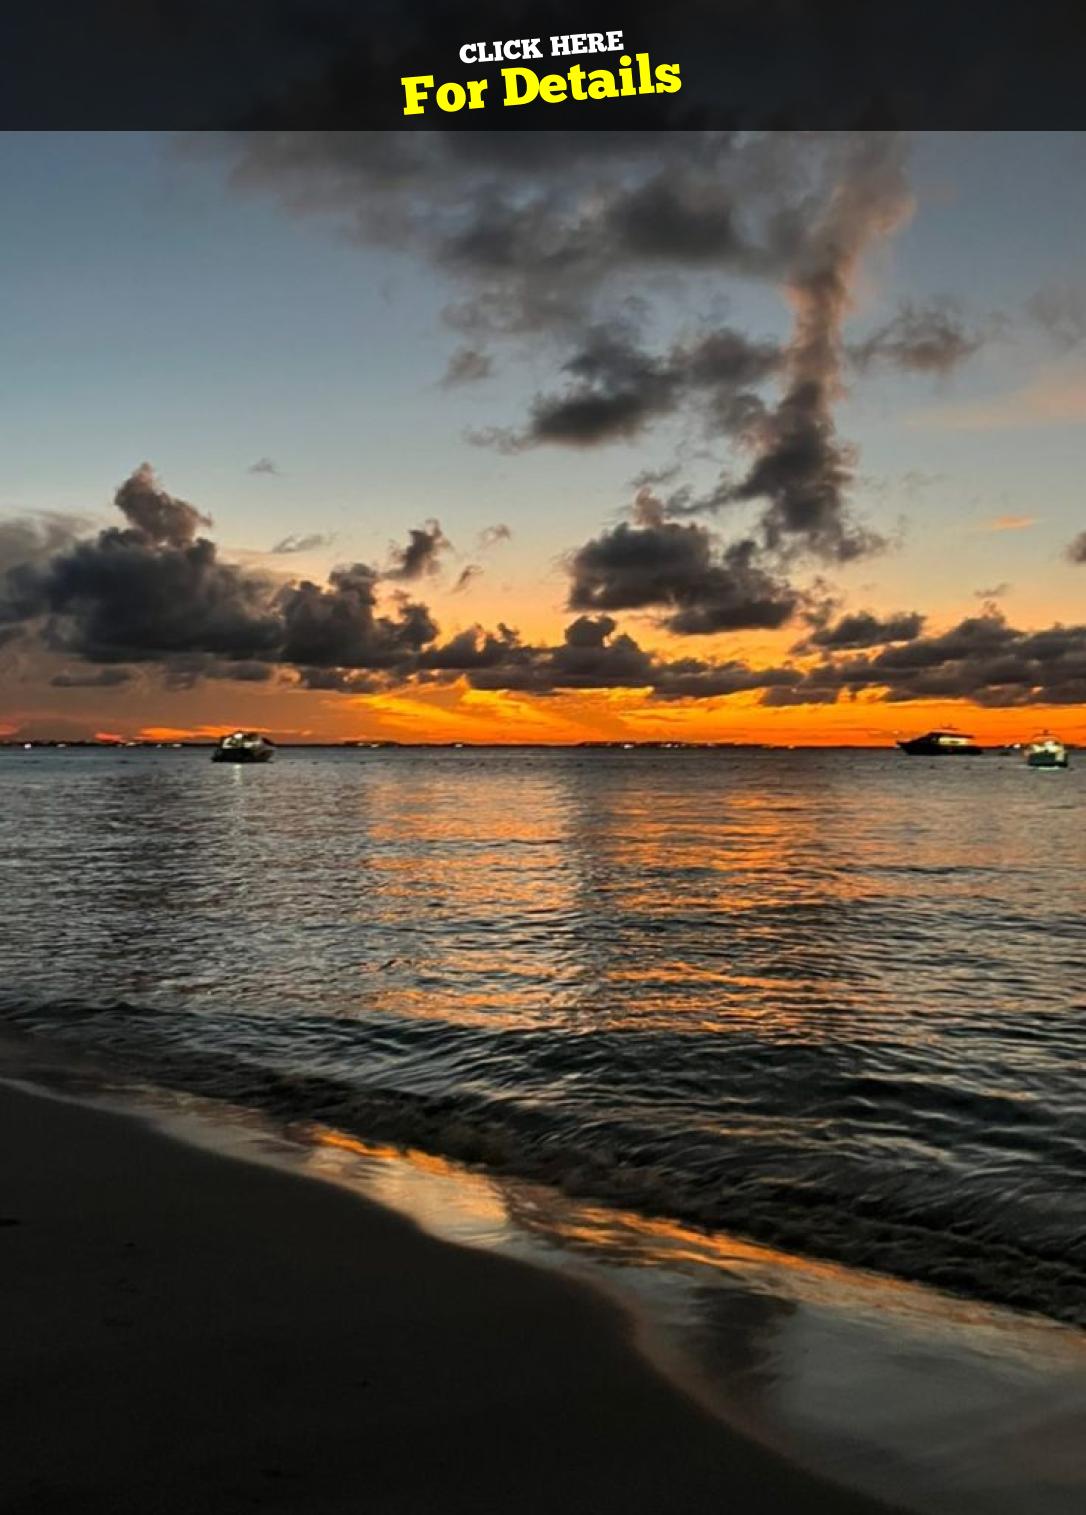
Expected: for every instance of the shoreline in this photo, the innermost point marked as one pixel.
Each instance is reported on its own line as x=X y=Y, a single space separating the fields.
x=189 y=1330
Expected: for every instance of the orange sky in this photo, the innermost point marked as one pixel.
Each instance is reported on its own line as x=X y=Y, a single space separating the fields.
x=457 y=713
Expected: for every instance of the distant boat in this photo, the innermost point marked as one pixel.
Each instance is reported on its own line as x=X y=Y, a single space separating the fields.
x=941 y=744
x=244 y=747
x=1046 y=752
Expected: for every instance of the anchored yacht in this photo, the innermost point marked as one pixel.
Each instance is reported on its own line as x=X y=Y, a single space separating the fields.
x=244 y=747
x=1046 y=752
x=941 y=744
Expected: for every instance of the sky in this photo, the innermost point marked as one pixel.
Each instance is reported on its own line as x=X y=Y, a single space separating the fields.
x=542 y=436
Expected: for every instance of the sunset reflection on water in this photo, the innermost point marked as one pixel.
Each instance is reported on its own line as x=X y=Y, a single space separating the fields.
x=899 y=1390
x=825 y=1000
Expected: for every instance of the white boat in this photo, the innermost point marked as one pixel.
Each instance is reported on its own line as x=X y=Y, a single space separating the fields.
x=244 y=747
x=1046 y=752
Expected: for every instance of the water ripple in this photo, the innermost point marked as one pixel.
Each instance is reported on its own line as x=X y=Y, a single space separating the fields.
x=832 y=1000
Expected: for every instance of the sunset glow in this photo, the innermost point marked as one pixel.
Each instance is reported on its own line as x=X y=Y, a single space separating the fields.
x=815 y=494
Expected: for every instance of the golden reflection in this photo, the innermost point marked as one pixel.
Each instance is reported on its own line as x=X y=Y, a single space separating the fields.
x=875 y=1382
x=446 y=1199
x=423 y=1162
x=494 y=1210
x=484 y=914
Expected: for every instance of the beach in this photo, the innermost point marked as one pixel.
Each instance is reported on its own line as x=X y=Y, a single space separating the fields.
x=188 y=1332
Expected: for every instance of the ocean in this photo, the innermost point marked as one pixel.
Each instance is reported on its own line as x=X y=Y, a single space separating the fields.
x=828 y=1003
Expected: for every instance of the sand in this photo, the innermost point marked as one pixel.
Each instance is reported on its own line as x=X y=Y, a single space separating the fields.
x=186 y=1332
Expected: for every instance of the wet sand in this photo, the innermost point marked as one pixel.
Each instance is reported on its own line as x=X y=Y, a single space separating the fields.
x=186 y=1332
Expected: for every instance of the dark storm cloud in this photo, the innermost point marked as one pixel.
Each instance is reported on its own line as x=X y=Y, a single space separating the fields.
x=530 y=224
x=592 y=656
x=144 y=592
x=801 y=469
x=339 y=625
x=27 y=540
x=539 y=230
x=678 y=569
x=154 y=515
x=618 y=389
x=1075 y=550
x=309 y=543
x=101 y=678
x=974 y=638
x=425 y=544
x=186 y=670
x=691 y=678
x=468 y=365
x=121 y=599
x=803 y=694
x=724 y=360
x=863 y=629
x=922 y=339
x=156 y=592
x=689 y=217
x=243 y=671
x=27 y=543
x=982 y=659
x=343 y=680
x=533 y=225
x=475 y=648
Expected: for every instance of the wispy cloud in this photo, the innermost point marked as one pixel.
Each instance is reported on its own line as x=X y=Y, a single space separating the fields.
x=1007 y=522
x=490 y=536
x=265 y=465
x=468 y=573
x=1060 y=309
x=308 y=543
x=468 y=365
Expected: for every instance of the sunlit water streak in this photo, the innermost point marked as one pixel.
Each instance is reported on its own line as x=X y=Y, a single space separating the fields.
x=831 y=1001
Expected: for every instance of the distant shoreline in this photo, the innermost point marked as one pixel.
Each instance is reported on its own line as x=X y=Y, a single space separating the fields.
x=361 y=745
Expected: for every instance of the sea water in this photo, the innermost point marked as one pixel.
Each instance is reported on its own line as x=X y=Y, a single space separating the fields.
x=825 y=1006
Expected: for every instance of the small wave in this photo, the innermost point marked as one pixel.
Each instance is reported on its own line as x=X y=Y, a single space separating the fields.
x=987 y=1240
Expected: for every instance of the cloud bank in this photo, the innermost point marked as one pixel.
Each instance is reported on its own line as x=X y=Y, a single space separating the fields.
x=154 y=592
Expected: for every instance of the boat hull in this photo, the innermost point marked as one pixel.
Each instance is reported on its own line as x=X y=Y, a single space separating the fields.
x=240 y=755
x=922 y=747
x=1047 y=760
